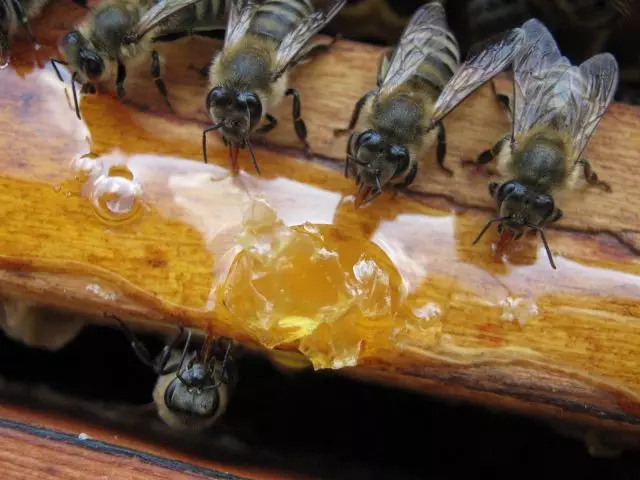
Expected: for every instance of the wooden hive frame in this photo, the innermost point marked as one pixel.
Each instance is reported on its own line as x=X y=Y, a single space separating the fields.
x=577 y=357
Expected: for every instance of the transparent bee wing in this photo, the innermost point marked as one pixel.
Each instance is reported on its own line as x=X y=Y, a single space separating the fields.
x=484 y=61
x=531 y=67
x=240 y=13
x=296 y=39
x=164 y=9
x=426 y=31
x=574 y=99
x=600 y=80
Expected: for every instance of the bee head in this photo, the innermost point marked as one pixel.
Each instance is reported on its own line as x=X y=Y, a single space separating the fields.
x=375 y=159
x=74 y=48
x=237 y=113
x=193 y=392
x=519 y=207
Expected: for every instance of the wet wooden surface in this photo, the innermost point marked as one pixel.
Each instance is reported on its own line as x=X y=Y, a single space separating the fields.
x=48 y=445
x=157 y=238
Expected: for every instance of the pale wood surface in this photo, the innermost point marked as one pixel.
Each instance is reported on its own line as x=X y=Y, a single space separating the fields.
x=575 y=354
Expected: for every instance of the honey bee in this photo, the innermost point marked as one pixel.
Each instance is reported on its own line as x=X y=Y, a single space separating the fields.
x=417 y=87
x=117 y=34
x=250 y=76
x=16 y=13
x=193 y=387
x=555 y=109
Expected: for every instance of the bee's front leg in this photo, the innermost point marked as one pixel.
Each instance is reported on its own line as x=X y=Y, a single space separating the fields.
x=272 y=122
x=298 y=123
x=155 y=73
x=592 y=177
x=441 y=150
x=488 y=155
x=22 y=17
x=355 y=115
x=408 y=180
x=120 y=78
x=159 y=364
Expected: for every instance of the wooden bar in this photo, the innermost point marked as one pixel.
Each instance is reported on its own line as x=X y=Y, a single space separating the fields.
x=146 y=231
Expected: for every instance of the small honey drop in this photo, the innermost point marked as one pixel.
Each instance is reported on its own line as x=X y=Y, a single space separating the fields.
x=116 y=199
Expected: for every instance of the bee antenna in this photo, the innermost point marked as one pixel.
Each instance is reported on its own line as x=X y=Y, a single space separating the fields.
x=544 y=242
x=204 y=139
x=253 y=157
x=486 y=227
x=75 y=94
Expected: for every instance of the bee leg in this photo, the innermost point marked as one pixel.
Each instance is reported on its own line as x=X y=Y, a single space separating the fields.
x=22 y=17
x=273 y=122
x=120 y=78
x=89 y=88
x=155 y=73
x=555 y=216
x=314 y=50
x=592 y=177
x=408 y=180
x=504 y=101
x=298 y=123
x=441 y=151
x=159 y=364
x=355 y=115
x=488 y=155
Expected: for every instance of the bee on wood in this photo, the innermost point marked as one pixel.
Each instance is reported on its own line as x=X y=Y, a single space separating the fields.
x=555 y=109
x=119 y=33
x=15 y=14
x=417 y=87
x=193 y=387
x=250 y=76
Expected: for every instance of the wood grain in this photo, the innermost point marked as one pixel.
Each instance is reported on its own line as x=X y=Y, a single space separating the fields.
x=55 y=450
x=509 y=333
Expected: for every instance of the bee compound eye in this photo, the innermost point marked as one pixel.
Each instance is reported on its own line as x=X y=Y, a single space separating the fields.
x=368 y=137
x=218 y=97
x=72 y=38
x=544 y=204
x=507 y=189
x=93 y=68
x=400 y=156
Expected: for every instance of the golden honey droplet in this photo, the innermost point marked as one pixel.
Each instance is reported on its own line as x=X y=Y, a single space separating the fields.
x=313 y=284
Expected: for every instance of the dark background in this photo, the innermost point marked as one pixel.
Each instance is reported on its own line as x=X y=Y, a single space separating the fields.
x=582 y=28
x=318 y=422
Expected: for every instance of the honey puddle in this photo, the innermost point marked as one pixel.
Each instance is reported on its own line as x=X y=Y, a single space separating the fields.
x=124 y=198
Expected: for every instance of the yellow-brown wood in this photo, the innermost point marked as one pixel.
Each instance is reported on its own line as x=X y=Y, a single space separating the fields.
x=423 y=307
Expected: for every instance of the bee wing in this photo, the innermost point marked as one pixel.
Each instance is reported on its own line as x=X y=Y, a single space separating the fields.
x=573 y=99
x=427 y=30
x=600 y=80
x=484 y=61
x=531 y=67
x=162 y=10
x=240 y=13
x=296 y=39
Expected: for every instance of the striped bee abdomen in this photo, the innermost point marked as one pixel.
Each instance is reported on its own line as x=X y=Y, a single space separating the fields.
x=440 y=63
x=276 y=18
